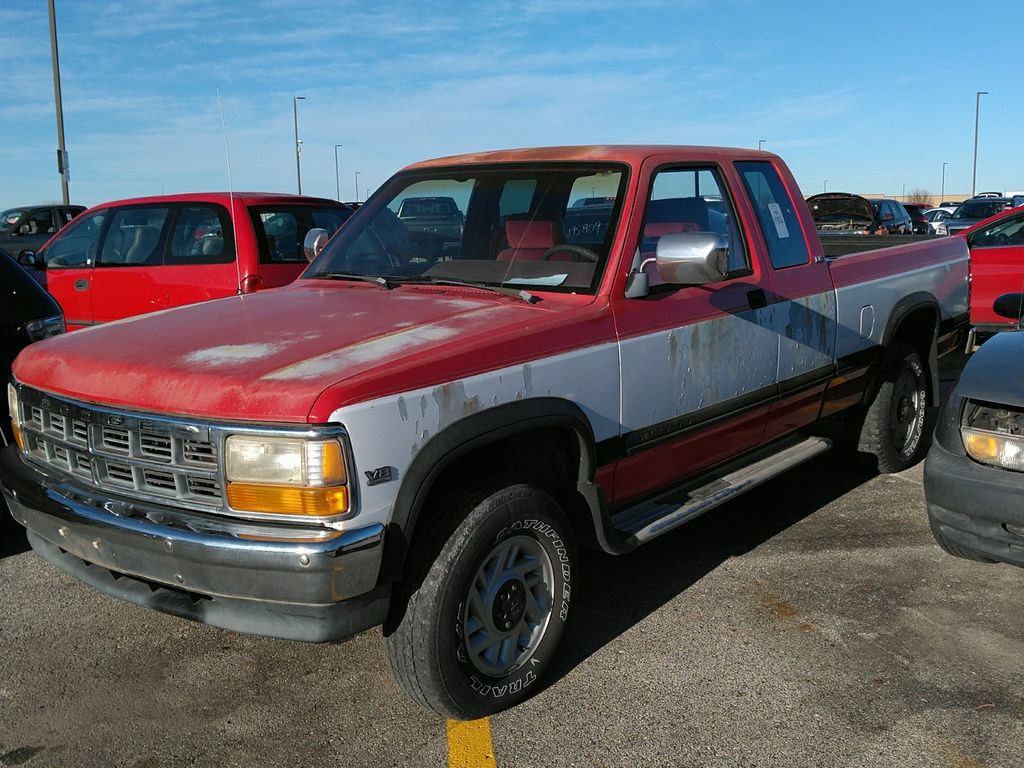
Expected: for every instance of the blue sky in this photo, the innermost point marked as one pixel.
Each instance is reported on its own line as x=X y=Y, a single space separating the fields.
x=871 y=96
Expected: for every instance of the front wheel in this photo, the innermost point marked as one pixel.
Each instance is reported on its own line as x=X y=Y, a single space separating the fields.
x=482 y=626
x=893 y=427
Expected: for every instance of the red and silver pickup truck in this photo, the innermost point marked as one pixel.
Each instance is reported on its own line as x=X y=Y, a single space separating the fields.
x=422 y=430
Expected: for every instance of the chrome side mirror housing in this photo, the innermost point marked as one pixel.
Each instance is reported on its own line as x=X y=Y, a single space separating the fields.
x=692 y=258
x=314 y=242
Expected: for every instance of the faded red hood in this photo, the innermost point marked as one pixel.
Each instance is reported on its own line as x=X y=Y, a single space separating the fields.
x=270 y=355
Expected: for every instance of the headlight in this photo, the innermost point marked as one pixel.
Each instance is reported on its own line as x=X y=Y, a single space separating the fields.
x=38 y=330
x=994 y=435
x=12 y=406
x=287 y=476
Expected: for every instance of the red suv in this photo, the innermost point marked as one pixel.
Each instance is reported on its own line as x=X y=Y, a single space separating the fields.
x=128 y=257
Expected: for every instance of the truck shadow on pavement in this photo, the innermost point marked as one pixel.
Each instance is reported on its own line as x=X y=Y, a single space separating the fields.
x=619 y=592
x=12 y=535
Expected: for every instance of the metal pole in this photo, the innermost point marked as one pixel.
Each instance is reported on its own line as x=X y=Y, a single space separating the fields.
x=904 y=193
x=977 y=109
x=942 y=189
x=760 y=143
x=357 y=186
x=825 y=187
x=298 y=149
x=337 y=178
x=62 y=155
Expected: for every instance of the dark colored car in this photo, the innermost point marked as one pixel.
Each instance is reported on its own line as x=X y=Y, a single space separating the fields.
x=974 y=472
x=917 y=216
x=890 y=215
x=27 y=313
x=27 y=228
x=970 y=212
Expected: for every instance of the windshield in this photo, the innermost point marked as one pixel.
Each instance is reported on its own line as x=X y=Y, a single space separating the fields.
x=9 y=218
x=978 y=209
x=520 y=226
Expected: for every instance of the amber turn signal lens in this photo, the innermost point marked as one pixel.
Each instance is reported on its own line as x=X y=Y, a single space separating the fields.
x=981 y=447
x=288 y=500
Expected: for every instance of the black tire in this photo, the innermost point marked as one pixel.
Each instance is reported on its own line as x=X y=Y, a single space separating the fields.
x=893 y=426
x=953 y=548
x=434 y=650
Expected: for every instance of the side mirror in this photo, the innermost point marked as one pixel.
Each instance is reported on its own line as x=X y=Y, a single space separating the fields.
x=1009 y=305
x=692 y=258
x=314 y=242
x=30 y=259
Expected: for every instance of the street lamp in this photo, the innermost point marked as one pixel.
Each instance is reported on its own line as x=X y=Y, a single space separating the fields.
x=298 y=148
x=337 y=178
x=977 y=108
x=357 y=186
x=825 y=187
x=942 y=188
x=62 y=154
x=904 y=193
x=760 y=143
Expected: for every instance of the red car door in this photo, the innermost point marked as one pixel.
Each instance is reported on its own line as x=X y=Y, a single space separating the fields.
x=997 y=266
x=698 y=362
x=69 y=258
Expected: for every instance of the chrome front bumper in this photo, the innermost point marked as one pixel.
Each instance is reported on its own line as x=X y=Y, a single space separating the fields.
x=313 y=589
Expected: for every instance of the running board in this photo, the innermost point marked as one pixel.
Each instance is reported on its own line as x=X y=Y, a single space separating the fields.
x=663 y=513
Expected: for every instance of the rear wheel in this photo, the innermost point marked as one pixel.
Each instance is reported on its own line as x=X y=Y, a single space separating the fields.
x=893 y=427
x=484 y=618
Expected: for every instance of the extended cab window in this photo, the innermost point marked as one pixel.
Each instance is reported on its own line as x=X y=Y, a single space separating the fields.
x=1007 y=231
x=133 y=237
x=77 y=245
x=201 y=235
x=776 y=214
x=281 y=229
x=690 y=200
x=546 y=225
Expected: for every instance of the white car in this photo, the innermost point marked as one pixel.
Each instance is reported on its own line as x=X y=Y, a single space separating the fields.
x=937 y=220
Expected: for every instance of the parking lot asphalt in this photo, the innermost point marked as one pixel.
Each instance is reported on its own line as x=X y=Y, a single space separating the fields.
x=812 y=622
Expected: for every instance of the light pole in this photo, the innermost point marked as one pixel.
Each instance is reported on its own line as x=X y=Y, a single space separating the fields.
x=298 y=143
x=62 y=155
x=357 y=186
x=904 y=193
x=977 y=109
x=760 y=143
x=942 y=188
x=337 y=178
x=825 y=187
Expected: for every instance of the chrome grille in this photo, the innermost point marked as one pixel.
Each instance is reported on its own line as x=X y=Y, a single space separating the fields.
x=149 y=458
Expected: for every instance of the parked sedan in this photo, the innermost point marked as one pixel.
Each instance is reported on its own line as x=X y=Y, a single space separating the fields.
x=974 y=472
x=972 y=211
x=28 y=227
x=997 y=267
x=936 y=218
x=893 y=217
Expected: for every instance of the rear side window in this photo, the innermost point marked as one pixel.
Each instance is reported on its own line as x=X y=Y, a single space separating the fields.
x=281 y=229
x=776 y=214
x=134 y=236
x=201 y=235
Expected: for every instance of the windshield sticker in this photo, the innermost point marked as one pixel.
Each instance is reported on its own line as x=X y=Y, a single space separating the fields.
x=780 y=222
x=553 y=280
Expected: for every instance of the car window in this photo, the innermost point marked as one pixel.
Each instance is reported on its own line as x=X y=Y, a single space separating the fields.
x=689 y=200
x=133 y=237
x=281 y=229
x=199 y=237
x=776 y=214
x=1006 y=231
x=9 y=218
x=77 y=245
x=38 y=222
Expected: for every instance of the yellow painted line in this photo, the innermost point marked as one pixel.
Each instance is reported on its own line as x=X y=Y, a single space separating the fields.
x=469 y=744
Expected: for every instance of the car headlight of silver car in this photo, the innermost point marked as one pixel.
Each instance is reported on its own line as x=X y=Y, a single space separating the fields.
x=994 y=435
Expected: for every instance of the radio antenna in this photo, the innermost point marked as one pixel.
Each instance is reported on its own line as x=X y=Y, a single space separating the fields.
x=231 y=194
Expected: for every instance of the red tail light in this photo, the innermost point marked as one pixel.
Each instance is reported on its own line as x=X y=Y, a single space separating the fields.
x=251 y=284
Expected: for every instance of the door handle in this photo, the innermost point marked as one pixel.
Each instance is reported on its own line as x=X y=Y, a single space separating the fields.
x=757 y=298
x=82 y=284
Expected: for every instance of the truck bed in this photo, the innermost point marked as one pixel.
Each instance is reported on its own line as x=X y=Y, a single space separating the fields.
x=841 y=245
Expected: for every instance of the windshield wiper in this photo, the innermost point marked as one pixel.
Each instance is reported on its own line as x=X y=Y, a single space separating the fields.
x=377 y=280
x=515 y=293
